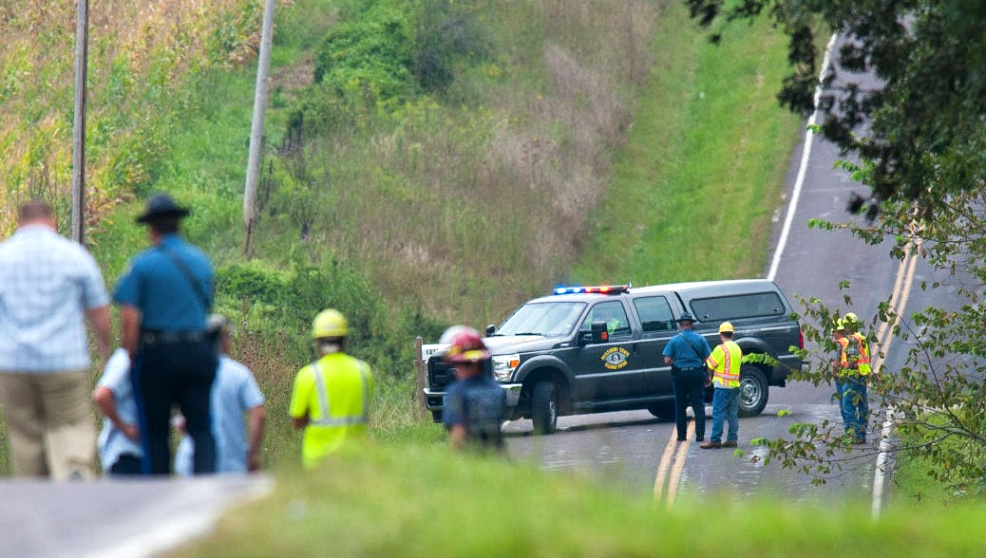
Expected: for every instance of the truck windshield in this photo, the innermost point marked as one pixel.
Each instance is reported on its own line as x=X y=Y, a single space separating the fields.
x=551 y=319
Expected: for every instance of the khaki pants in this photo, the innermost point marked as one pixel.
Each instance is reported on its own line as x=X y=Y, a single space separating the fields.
x=47 y=419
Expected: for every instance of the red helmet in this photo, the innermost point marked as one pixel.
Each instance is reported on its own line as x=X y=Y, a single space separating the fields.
x=467 y=346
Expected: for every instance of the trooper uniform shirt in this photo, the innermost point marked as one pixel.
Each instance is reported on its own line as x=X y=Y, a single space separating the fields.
x=166 y=296
x=171 y=285
x=478 y=404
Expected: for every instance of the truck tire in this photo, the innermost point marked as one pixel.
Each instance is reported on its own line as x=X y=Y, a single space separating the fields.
x=663 y=410
x=544 y=408
x=754 y=391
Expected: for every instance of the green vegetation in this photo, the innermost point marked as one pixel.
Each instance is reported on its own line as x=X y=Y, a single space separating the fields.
x=908 y=140
x=382 y=501
x=705 y=161
x=427 y=162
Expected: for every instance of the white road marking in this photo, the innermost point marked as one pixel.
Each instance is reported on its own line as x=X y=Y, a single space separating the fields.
x=884 y=336
x=186 y=524
x=803 y=169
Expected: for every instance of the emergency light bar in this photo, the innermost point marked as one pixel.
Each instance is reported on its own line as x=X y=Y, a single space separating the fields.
x=601 y=289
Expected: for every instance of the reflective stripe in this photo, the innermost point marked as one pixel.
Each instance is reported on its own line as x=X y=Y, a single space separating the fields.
x=727 y=373
x=323 y=400
x=862 y=362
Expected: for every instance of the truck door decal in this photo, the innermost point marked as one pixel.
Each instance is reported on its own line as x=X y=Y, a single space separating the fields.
x=615 y=358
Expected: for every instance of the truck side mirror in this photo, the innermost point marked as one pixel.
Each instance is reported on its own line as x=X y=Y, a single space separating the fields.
x=490 y=329
x=597 y=334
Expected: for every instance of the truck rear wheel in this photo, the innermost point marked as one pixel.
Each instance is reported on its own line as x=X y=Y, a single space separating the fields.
x=753 y=391
x=544 y=408
x=663 y=410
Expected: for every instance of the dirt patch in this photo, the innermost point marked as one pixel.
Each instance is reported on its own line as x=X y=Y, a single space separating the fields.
x=294 y=77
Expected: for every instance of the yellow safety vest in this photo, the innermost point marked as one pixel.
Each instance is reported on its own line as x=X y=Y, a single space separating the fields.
x=334 y=392
x=725 y=362
x=863 y=367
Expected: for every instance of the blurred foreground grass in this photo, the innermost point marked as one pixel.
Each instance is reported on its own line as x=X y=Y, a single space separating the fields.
x=423 y=500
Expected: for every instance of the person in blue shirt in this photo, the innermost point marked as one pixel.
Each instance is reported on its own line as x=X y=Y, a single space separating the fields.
x=686 y=354
x=119 y=449
x=164 y=300
x=234 y=393
x=474 y=404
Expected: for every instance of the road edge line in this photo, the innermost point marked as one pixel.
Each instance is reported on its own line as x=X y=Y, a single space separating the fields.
x=803 y=168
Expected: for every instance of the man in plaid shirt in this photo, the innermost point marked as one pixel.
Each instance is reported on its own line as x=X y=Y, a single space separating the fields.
x=49 y=285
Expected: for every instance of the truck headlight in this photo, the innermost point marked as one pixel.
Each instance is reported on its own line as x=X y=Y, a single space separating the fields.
x=504 y=366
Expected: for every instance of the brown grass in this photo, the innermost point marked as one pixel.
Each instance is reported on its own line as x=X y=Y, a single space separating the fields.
x=137 y=49
x=459 y=199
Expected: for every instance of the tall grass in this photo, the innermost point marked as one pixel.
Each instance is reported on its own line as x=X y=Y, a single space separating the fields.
x=490 y=183
x=694 y=194
x=140 y=52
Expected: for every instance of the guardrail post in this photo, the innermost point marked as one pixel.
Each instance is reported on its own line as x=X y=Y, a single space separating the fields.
x=419 y=365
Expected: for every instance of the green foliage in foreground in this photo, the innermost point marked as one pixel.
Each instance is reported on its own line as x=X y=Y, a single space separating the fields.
x=425 y=501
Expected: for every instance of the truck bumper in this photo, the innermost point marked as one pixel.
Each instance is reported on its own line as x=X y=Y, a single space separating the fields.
x=435 y=399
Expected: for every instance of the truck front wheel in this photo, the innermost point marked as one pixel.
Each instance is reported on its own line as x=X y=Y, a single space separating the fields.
x=544 y=408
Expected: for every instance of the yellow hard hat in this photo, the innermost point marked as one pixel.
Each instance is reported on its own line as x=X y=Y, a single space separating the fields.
x=850 y=318
x=726 y=327
x=329 y=323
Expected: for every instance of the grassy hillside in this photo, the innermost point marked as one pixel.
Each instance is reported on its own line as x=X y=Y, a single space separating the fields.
x=426 y=162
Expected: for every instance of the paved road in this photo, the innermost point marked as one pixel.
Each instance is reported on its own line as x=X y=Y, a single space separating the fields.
x=632 y=451
x=114 y=519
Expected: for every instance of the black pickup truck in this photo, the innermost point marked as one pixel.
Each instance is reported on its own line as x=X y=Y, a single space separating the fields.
x=598 y=349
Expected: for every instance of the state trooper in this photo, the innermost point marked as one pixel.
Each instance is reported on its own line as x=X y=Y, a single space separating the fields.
x=164 y=301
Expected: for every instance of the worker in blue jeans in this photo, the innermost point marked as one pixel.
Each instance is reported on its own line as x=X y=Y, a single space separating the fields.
x=724 y=373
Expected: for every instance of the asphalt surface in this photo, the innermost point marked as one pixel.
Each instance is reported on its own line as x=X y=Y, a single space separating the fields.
x=634 y=452
x=115 y=519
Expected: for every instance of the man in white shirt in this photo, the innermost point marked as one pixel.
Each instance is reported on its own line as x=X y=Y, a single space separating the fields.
x=234 y=393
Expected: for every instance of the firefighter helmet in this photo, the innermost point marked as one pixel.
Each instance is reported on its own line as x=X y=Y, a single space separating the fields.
x=467 y=346
x=329 y=323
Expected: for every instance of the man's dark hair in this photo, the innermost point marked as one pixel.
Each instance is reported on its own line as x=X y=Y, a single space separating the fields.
x=166 y=224
x=727 y=334
x=34 y=210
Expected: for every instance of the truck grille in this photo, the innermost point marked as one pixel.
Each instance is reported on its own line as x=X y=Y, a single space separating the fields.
x=440 y=373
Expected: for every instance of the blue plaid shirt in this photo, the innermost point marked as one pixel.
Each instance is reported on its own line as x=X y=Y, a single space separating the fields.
x=47 y=282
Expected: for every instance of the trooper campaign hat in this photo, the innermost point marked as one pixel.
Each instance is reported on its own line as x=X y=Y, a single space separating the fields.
x=159 y=206
x=685 y=317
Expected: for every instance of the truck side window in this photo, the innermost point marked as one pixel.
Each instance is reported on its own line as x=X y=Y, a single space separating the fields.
x=655 y=313
x=756 y=305
x=613 y=314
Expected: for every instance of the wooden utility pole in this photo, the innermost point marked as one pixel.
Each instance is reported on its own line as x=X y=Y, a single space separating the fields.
x=79 y=125
x=420 y=367
x=257 y=129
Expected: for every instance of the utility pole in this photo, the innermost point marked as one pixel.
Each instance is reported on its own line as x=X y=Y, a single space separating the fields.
x=79 y=125
x=257 y=129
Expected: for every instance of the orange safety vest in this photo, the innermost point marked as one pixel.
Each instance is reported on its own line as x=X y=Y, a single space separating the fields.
x=863 y=367
x=725 y=362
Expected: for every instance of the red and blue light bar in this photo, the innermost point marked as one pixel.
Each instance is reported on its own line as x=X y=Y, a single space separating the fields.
x=598 y=289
